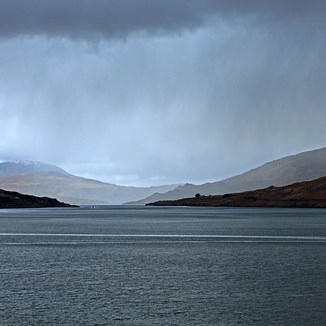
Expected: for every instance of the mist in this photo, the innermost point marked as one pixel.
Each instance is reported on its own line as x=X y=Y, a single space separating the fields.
x=161 y=92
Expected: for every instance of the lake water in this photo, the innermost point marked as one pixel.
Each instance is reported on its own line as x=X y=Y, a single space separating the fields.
x=163 y=266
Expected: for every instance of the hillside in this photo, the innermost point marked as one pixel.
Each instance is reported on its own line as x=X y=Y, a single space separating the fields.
x=28 y=167
x=41 y=179
x=295 y=168
x=309 y=194
x=10 y=199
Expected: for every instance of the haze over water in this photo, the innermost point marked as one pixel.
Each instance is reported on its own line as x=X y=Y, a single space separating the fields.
x=163 y=266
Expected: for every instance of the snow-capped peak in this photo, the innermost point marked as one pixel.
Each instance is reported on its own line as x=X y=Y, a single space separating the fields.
x=19 y=167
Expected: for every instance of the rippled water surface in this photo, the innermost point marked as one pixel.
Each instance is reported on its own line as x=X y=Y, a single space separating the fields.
x=163 y=266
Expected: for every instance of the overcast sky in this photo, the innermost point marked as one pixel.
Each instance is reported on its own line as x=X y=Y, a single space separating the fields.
x=147 y=92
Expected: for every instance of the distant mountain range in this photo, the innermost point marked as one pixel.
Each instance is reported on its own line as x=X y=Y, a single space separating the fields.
x=40 y=179
x=295 y=168
x=10 y=199
x=308 y=194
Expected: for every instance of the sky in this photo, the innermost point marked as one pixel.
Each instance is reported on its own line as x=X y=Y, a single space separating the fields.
x=149 y=92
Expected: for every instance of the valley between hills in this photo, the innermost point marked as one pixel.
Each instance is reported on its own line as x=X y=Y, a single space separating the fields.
x=40 y=179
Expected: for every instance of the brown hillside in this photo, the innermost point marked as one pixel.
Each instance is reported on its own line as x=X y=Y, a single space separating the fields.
x=11 y=199
x=304 y=166
x=303 y=194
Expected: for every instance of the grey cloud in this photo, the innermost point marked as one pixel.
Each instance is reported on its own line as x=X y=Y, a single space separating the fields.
x=194 y=108
x=172 y=107
x=118 y=18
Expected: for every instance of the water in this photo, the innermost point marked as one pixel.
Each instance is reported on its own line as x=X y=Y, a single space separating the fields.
x=163 y=266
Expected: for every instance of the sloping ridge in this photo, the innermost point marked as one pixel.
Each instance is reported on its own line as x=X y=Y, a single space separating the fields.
x=307 y=194
x=10 y=199
x=295 y=168
x=52 y=181
x=27 y=167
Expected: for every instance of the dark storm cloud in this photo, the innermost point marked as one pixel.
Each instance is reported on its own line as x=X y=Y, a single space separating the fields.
x=244 y=86
x=118 y=18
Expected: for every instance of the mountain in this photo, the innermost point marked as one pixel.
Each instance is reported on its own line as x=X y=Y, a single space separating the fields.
x=10 y=199
x=40 y=179
x=27 y=167
x=295 y=168
x=309 y=194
